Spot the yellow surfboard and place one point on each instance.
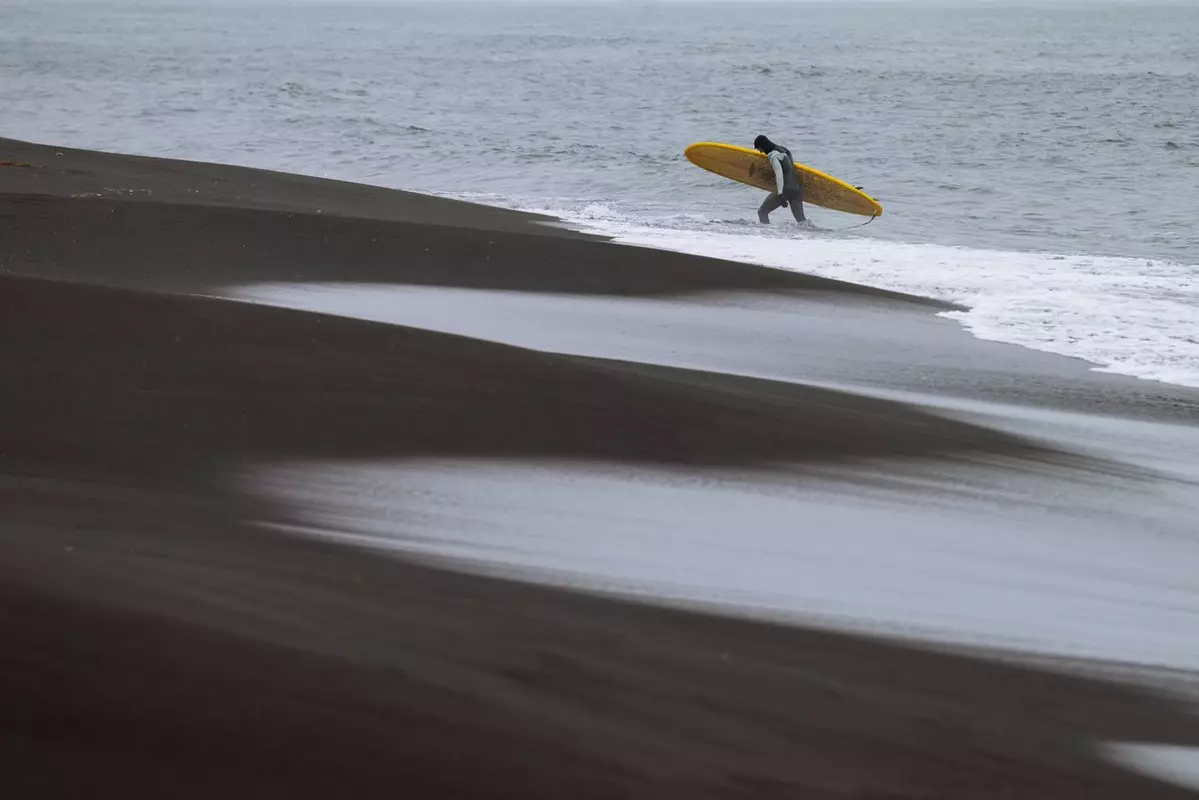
(753, 169)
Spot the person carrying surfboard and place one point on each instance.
(788, 190)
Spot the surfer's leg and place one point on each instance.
(795, 199)
(771, 202)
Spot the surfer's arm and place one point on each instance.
(776, 162)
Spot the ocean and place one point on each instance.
(1038, 164)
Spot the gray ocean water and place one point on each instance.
(1039, 163)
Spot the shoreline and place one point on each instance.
(269, 190)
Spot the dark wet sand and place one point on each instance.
(160, 641)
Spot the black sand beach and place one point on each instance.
(163, 638)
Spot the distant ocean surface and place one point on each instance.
(1039, 164)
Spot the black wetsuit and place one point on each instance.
(788, 186)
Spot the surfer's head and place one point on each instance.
(763, 144)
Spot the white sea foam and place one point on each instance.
(1131, 316)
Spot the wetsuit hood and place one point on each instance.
(764, 144)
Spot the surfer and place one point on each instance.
(788, 189)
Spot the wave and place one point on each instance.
(1130, 316)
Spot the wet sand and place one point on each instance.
(164, 637)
